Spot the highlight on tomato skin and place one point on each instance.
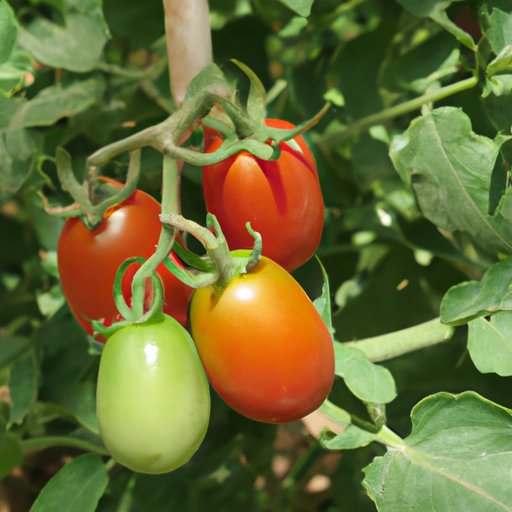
(88, 261)
(265, 348)
(153, 397)
(281, 199)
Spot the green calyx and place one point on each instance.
(219, 267)
(92, 198)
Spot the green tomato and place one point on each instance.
(153, 398)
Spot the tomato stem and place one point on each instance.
(394, 344)
(397, 110)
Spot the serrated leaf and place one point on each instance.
(58, 101)
(470, 299)
(497, 27)
(301, 7)
(77, 45)
(79, 484)
(457, 457)
(490, 343)
(368, 381)
(8, 30)
(449, 168)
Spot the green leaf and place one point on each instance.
(490, 343)
(323, 302)
(497, 27)
(457, 457)
(10, 453)
(502, 63)
(350, 436)
(11, 348)
(449, 168)
(58, 101)
(426, 7)
(77, 45)
(301, 7)
(368, 381)
(79, 485)
(471, 299)
(8, 30)
(23, 382)
(461, 35)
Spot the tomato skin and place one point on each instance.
(153, 398)
(265, 348)
(282, 199)
(88, 260)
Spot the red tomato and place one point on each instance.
(88, 260)
(282, 199)
(265, 348)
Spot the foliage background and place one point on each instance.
(403, 225)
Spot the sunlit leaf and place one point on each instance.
(457, 457)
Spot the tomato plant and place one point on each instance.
(265, 348)
(282, 199)
(88, 260)
(153, 401)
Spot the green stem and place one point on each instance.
(40, 443)
(389, 438)
(170, 204)
(166, 136)
(396, 111)
(394, 344)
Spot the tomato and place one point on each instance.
(282, 199)
(88, 260)
(153, 398)
(265, 348)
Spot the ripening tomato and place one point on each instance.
(153, 398)
(88, 260)
(265, 348)
(282, 199)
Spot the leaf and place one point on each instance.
(79, 485)
(490, 343)
(77, 45)
(457, 457)
(10, 453)
(58, 101)
(426, 7)
(8, 30)
(350, 438)
(497, 27)
(11, 348)
(23, 382)
(449, 168)
(301, 7)
(323, 302)
(368, 381)
(471, 299)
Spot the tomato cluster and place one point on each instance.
(257, 337)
